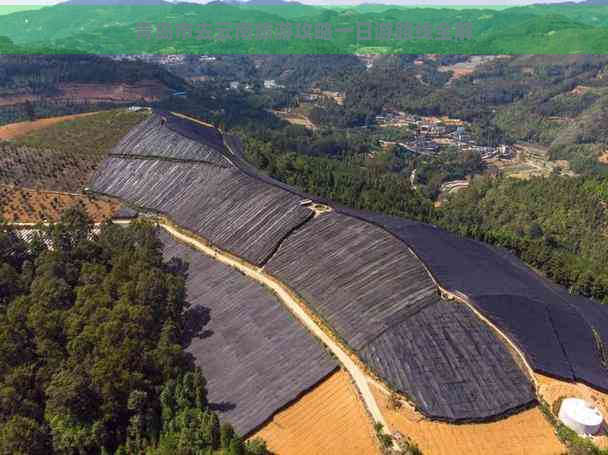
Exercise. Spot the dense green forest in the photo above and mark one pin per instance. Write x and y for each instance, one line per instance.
(109, 29)
(91, 347)
(344, 181)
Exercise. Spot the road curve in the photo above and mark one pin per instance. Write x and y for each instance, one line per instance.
(357, 374)
(359, 377)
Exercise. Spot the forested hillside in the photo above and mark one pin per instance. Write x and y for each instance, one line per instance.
(91, 359)
(558, 225)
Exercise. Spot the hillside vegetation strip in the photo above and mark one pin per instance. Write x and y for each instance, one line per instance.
(15, 130)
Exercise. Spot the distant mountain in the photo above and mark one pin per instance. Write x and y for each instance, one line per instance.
(584, 2)
(254, 2)
(116, 2)
(270, 3)
(225, 2)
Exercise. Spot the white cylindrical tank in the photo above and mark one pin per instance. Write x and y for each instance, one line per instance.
(580, 416)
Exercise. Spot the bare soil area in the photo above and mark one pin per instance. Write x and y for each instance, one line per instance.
(527, 432)
(330, 419)
(20, 205)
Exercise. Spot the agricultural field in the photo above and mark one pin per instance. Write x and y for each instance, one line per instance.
(15, 130)
(45, 169)
(63, 157)
(527, 432)
(329, 419)
(93, 135)
(531, 161)
(20, 205)
(255, 355)
(295, 117)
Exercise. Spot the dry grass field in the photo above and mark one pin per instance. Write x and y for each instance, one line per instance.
(15, 130)
(19, 205)
(330, 419)
(525, 433)
(553, 389)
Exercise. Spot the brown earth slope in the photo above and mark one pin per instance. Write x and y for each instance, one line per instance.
(330, 419)
(527, 432)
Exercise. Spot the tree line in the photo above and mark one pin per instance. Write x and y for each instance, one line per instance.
(92, 360)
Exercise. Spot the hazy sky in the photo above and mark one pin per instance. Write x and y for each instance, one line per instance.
(346, 2)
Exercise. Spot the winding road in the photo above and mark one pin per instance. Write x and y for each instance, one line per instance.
(359, 376)
(258, 274)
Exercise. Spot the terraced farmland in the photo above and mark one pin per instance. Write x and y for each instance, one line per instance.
(64, 156)
(230, 209)
(378, 297)
(256, 357)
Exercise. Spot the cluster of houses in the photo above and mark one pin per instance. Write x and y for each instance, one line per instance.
(432, 134)
(317, 94)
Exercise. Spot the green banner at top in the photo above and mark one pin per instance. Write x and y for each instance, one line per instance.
(294, 28)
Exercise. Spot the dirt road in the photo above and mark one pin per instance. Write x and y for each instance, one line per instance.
(359, 376)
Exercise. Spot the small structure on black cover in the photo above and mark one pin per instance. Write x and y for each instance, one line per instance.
(124, 213)
(580, 416)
